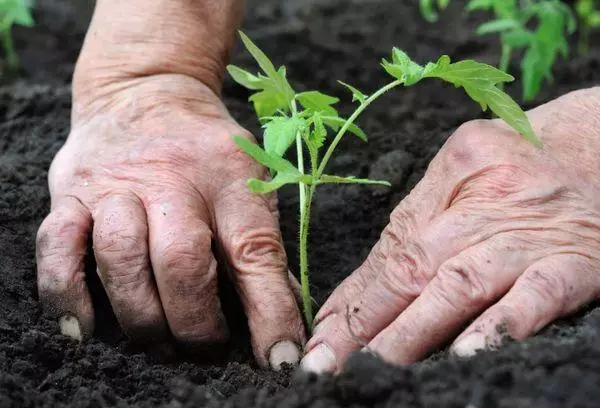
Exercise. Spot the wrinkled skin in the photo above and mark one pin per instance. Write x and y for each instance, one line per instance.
(498, 239)
(151, 174)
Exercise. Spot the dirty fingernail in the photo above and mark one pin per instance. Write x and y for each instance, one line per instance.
(323, 323)
(284, 352)
(470, 344)
(320, 360)
(69, 326)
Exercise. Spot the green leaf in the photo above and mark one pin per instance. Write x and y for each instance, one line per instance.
(281, 179)
(325, 178)
(335, 123)
(479, 81)
(261, 58)
(356, 94)
(245, 78)
(280, 132)
(316, 101)
(271, 161)
(403, 68)
(428, 9)
(316, 137)
(498, 26)
(274, 91)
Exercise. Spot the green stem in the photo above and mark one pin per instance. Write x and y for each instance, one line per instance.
(349, 122)
(304, 280)
(584, 39)
(12, 60)
(505, 61)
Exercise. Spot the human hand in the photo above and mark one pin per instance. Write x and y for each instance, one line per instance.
(497, 231)
(151, 174)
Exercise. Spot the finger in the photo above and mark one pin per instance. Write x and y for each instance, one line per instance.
(412, 261)
(185, 269)
(251, 242)
(463, 286)
(121, 250)
(61, 247)
(411, 215)
(550, 288)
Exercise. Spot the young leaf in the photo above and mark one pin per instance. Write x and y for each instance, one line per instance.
(316, 137)
(335, 123)
(325, 178)
(280, 132)
(356, 94)
(498, 26)
(275, 92)
(281, 179)
(403, 68)
(245, 78)
(428, 9)
(316, 101)
(479, 81)
(279, 164)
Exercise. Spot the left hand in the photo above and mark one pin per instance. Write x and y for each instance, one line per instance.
(497, 231)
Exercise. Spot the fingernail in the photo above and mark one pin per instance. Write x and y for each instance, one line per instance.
(470, 344)
(320, 360)
(69, 326)
(323, 323)
(284, 352)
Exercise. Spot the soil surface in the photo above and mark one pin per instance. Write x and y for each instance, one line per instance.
(320, 41)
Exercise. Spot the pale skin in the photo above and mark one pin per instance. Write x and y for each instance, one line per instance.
(498, 233)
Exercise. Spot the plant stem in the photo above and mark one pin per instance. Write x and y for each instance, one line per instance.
(349, 122)
(304, 206)
(505, 61)
(304, 280)
(584, 39)
(11, 56)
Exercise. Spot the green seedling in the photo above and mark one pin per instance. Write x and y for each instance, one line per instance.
(589, 19)
(428, 8)
(13, 12)
(307, 119)
(539, 28)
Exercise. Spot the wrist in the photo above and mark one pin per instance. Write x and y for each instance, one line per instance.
(132, 39)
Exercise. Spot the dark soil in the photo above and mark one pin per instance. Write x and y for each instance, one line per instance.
(320, 41)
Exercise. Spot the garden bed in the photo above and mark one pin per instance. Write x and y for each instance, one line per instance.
(319, 41)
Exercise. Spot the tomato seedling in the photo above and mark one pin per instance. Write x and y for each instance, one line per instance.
(537, 27)
(13, 12)
(589, 19)
(306, 119)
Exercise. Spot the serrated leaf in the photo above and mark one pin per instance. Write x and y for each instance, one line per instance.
(279, 164)
(403, 68)
(325, 178)
(318, 133)
(281, 179)
(356, 94)
(316, 101)
(335, 123)
(280, 132)
(479, 81)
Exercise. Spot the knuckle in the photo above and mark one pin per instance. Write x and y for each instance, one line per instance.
(187, 252)
(259, 249)
(407, 271)
(548, 285)
(59, 231)
(461, 286)
(121, 244)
